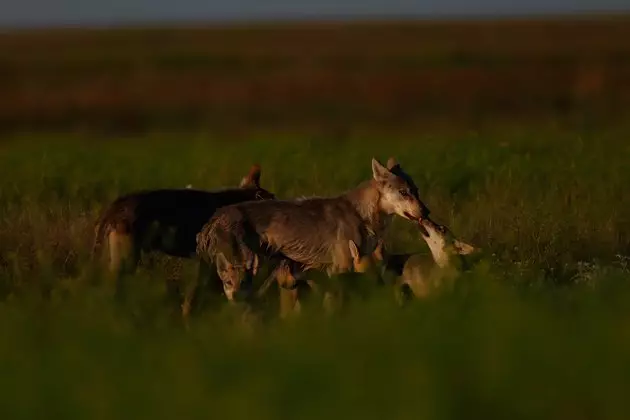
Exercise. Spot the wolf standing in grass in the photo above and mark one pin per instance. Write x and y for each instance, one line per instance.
(420, 274)
(312, 233)
(424, 274)
(165, 220)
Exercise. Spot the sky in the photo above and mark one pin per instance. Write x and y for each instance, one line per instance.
(26, 13)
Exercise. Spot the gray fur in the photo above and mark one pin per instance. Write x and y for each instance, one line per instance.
(314, 232)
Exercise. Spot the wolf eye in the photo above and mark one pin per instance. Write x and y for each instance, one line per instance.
(404, 193)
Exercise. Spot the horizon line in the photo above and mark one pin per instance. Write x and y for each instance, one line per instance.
(321, 18)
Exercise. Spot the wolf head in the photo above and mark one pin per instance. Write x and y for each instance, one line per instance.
(252, 181)
(398, 192)
(236, 276)
(442, 242)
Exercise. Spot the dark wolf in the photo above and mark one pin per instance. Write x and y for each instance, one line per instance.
(311, 233)
(165, 220)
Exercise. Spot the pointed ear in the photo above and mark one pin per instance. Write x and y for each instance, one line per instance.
(378, 251)
(463, 248)
(354, 251)
(254, 267)
(222, 263)
(379, 172)
(253, 177)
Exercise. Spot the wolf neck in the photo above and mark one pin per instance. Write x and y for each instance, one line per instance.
(366, 200)
(447, 259)
(441, 258)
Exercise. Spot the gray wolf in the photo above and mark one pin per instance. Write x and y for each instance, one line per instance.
(420, 274)
(165, 220)
(310, 233)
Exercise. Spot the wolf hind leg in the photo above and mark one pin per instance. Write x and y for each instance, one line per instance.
(191, 288)
(124, 256)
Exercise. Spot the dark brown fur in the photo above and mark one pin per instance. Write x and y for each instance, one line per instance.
(165, 220)
(149, 216)
(168, 220)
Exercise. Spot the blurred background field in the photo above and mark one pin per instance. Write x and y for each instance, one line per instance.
(323, 75)
(515, 132)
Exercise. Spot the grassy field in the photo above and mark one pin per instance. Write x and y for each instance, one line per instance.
(537, 329)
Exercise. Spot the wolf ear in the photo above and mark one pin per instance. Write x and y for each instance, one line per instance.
(254, 265)
(380, 172)
(463, 248)
(354, 250)
(222, 263)
(253, 177)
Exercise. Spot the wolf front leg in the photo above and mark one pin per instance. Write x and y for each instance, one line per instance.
(288, 291)
(196, 287)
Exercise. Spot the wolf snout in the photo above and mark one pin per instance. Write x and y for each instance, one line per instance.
(417, 214)
(241, 295)
(423, 212)
(411, 216)
(241, 292)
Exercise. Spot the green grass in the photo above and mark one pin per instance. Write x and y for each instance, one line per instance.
(538, 329)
